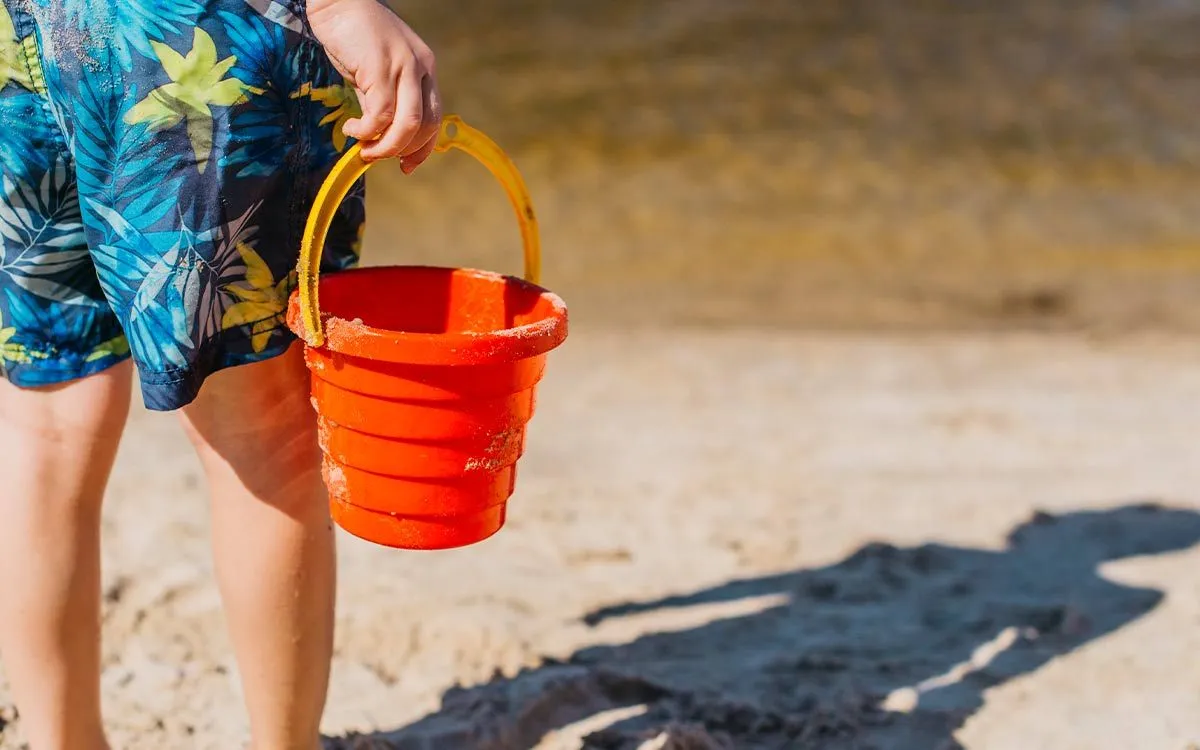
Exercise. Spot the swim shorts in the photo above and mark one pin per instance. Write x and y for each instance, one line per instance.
(158, 161)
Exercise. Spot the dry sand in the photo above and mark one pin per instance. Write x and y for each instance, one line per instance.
(753, 541)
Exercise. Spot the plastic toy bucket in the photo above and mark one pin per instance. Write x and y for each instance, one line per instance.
(423, 378)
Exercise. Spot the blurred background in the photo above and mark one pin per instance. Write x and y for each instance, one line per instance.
(854, 164)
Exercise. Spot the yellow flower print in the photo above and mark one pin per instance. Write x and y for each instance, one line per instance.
(114, 347)
(14, 55)
(197, 83)
(37, 79)
(343, 102)
(262, 301)
(12, 352)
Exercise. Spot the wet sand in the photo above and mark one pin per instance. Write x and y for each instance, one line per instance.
(872, 430)
(864, 165)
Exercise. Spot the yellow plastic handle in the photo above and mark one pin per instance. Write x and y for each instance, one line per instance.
(454, 133)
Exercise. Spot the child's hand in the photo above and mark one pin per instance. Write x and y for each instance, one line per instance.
(393, 71)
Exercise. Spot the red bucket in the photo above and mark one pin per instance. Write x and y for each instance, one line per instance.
(423, 379)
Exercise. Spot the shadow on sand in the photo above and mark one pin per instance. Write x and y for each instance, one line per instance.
(892, 648)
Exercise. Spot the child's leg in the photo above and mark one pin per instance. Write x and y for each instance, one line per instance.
(199, 134)
(255, 433)
(57, 447)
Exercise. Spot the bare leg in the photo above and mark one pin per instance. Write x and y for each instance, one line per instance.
(255, 433)
(57, 447)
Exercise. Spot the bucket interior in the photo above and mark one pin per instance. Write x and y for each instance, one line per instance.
(414, 299)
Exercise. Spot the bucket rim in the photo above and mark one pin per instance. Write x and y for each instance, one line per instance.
(461, 347)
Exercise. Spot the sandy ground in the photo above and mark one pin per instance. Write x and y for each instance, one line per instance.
(745, 540)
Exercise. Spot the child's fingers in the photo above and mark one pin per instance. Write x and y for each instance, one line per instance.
(409, 162)
(410, 115)
(379, 110)
(422, 145)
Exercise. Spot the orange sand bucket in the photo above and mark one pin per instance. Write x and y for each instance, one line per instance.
(423, 378)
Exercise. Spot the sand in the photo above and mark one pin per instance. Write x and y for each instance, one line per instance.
(744, 540)
(875, 429)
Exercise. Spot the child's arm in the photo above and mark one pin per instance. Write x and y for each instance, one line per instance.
(393, 71)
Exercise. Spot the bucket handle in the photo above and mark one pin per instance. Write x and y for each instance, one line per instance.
(454, 133)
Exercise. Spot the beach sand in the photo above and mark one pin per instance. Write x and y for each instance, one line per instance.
(874, 430)
(766, 540)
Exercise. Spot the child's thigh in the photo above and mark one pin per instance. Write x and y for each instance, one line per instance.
(253, 426)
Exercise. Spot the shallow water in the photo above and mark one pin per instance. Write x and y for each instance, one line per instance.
(869, 163)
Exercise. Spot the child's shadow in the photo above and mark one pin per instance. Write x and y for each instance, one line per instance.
(890, 648)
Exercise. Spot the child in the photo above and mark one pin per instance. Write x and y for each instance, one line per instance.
(158, 163)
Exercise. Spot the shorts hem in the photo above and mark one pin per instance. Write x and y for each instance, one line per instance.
(169, 390)
(46, 372)
(175, 389)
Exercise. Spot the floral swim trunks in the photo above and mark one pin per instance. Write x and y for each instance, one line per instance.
(157, 162)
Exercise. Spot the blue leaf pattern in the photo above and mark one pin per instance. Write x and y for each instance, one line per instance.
(131, 25)
(118, 237)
